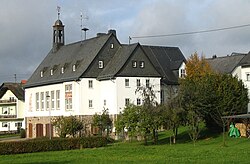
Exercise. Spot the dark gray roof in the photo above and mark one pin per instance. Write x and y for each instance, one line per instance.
(226, 64)
(15, 88)
(80, 54)
(246, 60)
(167, 60)
(117, 61)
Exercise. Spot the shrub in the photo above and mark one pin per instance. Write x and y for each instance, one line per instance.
(55, 144)
(22, 133)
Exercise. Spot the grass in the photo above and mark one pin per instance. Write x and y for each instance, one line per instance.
(208, 149)
(9, 135)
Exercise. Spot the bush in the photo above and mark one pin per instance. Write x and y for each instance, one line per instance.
(55, 144)
(22, 133)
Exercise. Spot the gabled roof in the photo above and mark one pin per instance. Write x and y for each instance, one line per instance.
(80, 54)
(15, 88)
(117, 61)
(226, 64)
(166, 60)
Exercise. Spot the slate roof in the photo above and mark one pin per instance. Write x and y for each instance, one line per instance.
(117, 61)
(79, 53)
(15, 88)
(166, 60)
(227, 64)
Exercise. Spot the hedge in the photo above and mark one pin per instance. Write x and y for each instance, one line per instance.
(55, 144)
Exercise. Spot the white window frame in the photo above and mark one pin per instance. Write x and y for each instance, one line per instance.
(41, 74)
(100, 64)
(138, 82)
(90, 103)
(111, 45)
(147, 83)
(37, 101)
(4, 124)
(134, 63)
(142, 64)
(138, 101)
(52, 94)
(42, 101)
(182, 73)
(126, 82)
(47, 100)
(248, 76)
(90, 83)
(57, 99)
(74, 68)
(127, 101)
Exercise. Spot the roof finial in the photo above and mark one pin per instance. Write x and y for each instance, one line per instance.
(58, 12)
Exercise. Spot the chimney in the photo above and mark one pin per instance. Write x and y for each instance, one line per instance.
(112, 31)
(100, 34)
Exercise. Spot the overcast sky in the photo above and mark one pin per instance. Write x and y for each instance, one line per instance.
(26, 27)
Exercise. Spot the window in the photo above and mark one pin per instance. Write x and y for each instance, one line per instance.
(141, 64)
(138, 82)
(51, 72)
(90, 83)
(4, 110)
(62, 70)
(162, 96)
(100, 64)
(147, 83)
(134, 64)
(37, 101)
(138, 101)
(104, 102)
(74, 68)
(126, 82)
(68, 96)
(42, 100)
(248, 76)
(52, 93)
(47, 100)
(18, 124)
(41, 73)
(127, 101)
(58, 99)
(183, 73)
(90, 103)
(112, 45)
(4, 124)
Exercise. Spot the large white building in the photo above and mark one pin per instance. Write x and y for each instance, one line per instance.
(237, 64)
(11, 107)
(85, 77)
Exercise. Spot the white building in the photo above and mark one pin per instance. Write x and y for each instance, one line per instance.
(85, 77)
(11, 107)
(237, 64)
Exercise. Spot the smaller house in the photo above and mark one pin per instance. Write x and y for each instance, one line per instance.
(11, 107)
(237, 64)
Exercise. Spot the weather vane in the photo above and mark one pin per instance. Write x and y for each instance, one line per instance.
(58, 12)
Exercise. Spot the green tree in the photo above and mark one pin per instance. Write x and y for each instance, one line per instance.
(103, 122)
(70, 125)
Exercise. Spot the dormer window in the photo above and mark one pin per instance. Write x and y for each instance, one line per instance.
(112, 45)
(100, 64)
(134, 64)
(142, 64)
(51, 72)
(74, 68)
(183, 73)
(62, 70)
(41, 73)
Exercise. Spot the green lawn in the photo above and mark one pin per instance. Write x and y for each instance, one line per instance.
(206, 150)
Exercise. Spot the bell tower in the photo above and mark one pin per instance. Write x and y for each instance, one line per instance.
(58, 33)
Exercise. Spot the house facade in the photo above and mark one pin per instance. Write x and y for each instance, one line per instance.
(85, 77)
(237, 64)
(11, 107)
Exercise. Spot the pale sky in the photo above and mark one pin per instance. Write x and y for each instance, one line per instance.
(26, 27)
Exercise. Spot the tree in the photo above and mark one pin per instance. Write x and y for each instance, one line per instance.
(208, 95)
(103, 122)
(173, 116)
(67, 125)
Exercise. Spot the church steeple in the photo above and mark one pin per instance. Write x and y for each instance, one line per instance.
(58, 33)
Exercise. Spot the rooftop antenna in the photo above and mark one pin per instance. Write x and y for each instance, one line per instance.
(58, 12)
(83, 28)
